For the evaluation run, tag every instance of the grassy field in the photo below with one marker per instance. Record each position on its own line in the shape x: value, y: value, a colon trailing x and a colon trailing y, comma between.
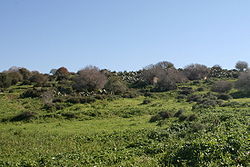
x: 118, y: 132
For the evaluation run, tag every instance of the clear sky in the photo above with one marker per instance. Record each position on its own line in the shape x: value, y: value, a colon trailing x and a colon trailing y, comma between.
x: 122, y: 34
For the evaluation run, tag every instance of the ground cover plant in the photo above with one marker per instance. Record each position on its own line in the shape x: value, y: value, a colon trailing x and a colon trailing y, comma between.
x: 125, y: 119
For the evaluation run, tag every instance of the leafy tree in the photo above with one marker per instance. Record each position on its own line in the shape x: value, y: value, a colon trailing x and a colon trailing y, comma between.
x: 241, y: 66
x: 62, y: 73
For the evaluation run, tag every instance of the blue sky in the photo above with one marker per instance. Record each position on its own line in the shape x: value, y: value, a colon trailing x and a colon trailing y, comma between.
x: 122, y: 34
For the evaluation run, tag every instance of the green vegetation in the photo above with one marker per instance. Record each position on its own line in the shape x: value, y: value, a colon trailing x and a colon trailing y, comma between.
x: 68, y: 119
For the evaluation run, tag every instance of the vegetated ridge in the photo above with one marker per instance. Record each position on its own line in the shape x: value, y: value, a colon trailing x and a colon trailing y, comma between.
x: 157, y: 116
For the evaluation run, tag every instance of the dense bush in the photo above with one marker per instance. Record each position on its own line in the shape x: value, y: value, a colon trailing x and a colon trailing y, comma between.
x: 38, y: 79
x: 32, y: 93
x: 62, y: 73
x: 243, y: 82
x: 15, y: 77
x: 194, y: 98
x: 146, y: 101
x: 222, y: 86
x: 25, y: 116
x: 26, y: 74
x: 186, y: 90
x: 116, y: 86
x: 160, y: 116
x: 224, y: 96
x: 69, y: 115
x: 5, y: 80
x: 179, y: 113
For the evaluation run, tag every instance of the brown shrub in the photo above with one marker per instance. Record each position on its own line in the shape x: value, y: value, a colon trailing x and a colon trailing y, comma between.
x: 90, y: 79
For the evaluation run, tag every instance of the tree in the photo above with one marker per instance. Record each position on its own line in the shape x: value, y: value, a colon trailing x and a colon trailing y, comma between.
x: 152, y: 72
x: 90, y: 78
x: 196, y: 71
x: 243, y: 82
x: 38, y: 79
x: 62, y: 73
x: 168, y: 79
x: 241, y: 66
x: 25, y: 73
x: 15, y: 77
x: 5, y: 80
x: 165, y: 65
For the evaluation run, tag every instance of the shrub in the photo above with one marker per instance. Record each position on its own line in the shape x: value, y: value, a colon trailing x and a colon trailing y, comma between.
x: 224, y: 97
x: 33, y: 93
x: 62, y: 73
x: 163, y: 76
x: 243, y: 82
x: 116, y: 86
x: 69, y: 115
x: 130, y: 94
x: 200, y: 89
x: 151, y: 73
x: 195, y: 98
x: 15, y: 77
x: 222, y: 86
x: 38, y: 79
x: 146, y: 101
x: 160, y: 116
x: 5, y: 80
x: 90, y: 79
x: 65, y: 89
x: 25, y: 116
x: 196, y: 71
x: 192, y: 117
x: 182, y: 117
x: 26, y: 74
x: 179, y: 113
x: 155, y: 118
x: 186, y: 90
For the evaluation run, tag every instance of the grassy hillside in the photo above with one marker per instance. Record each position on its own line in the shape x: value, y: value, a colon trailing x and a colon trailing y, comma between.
x: 121, y: 131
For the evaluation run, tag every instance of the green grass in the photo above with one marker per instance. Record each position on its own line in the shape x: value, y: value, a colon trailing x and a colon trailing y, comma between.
x: 118, y: 133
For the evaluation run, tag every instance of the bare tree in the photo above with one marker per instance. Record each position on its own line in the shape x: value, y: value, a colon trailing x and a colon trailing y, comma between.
x: 152, y: 73
x: 196, y: 71
x: 90, y: 78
